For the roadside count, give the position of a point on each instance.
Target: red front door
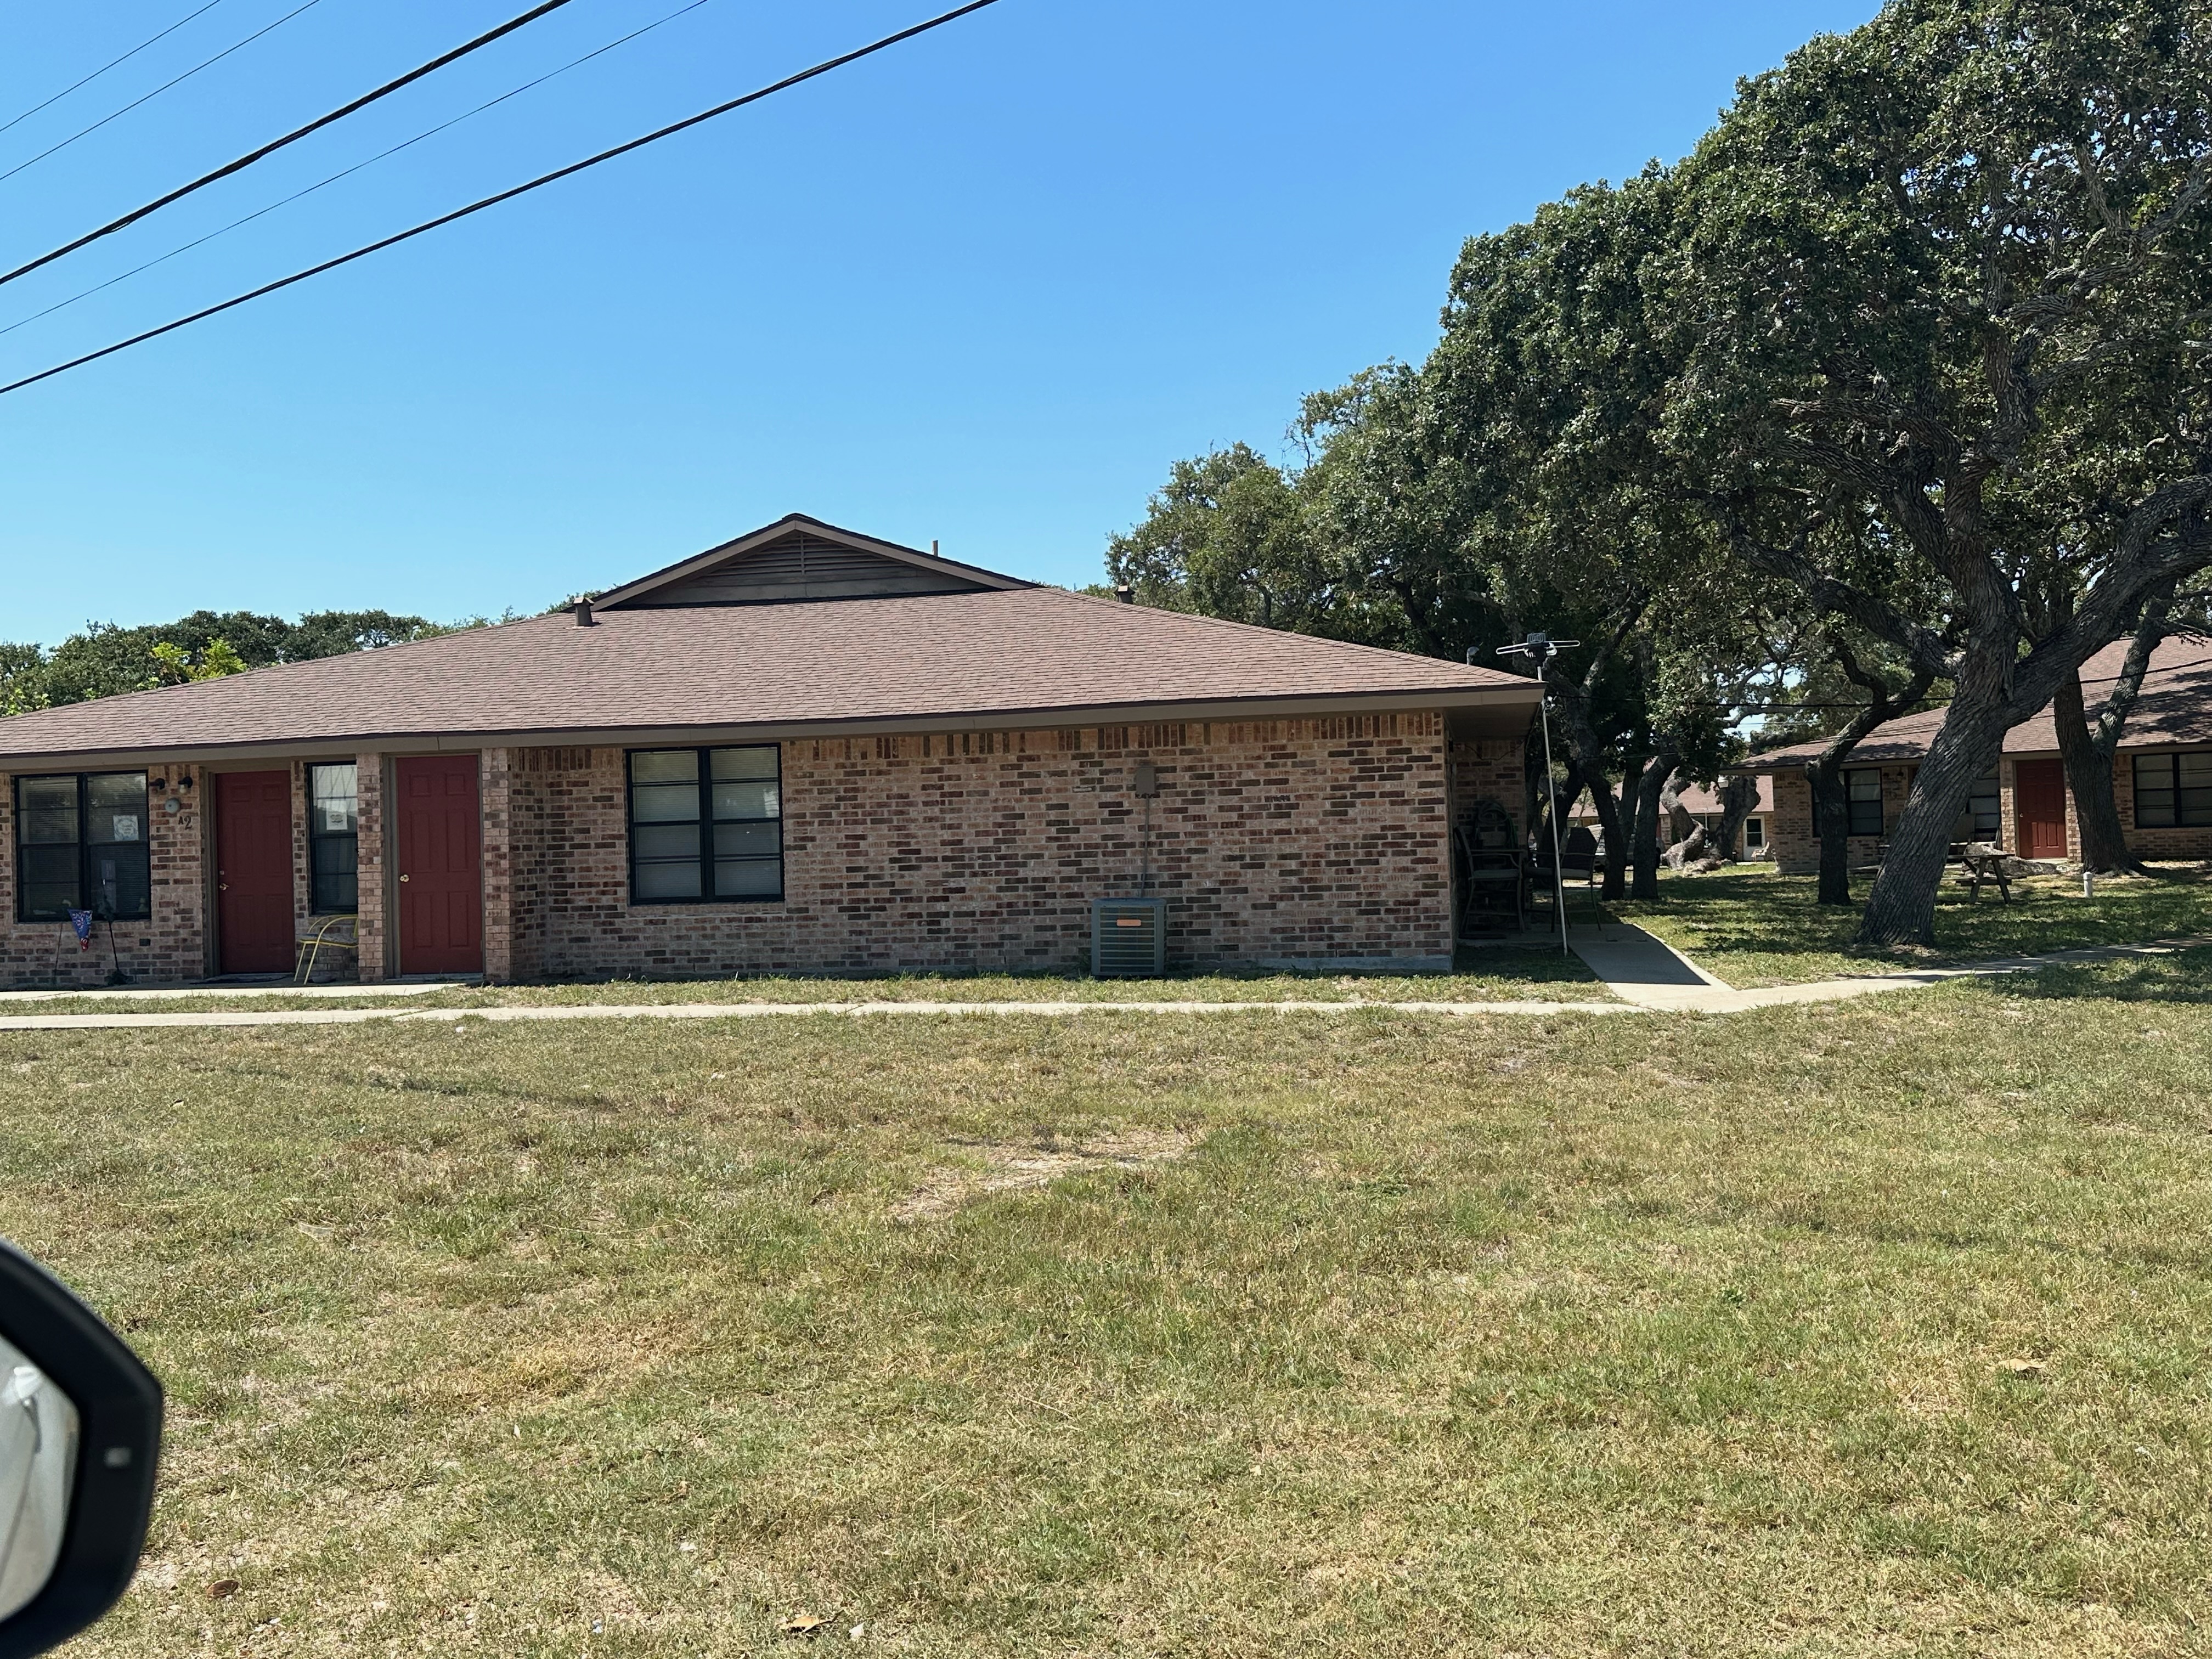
(2039, 799)
(253, 871)
(440, 865)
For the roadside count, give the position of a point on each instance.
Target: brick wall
(1797, 852)
(1796, 849)
(1304, 840)
(1315, 839)
(1494, 769)
(495, 785)
(373, 953)
(171, 946)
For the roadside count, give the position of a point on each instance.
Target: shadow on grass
(2184, 976)
(1753, 927)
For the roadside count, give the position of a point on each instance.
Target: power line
(343, 172)
(292, 137)
(157, 91)
(111, 64)
(543, 179)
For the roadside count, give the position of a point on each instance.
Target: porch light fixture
(1541, 648)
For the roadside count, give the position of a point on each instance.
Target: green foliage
(106, 661)
(1903, 371)
(174, 666)
(1226, 536)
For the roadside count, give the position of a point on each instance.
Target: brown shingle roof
(1697, 799)
(2175, 708)
(947, 657)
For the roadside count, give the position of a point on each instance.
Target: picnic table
(1983, 862)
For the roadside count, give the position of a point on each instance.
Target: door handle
(402, 878)
(223, 887)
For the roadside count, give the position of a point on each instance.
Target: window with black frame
(706, 825)
(1985, 807)
(81, 845)
(2173, 792)
(334, 838)
(1863, 790)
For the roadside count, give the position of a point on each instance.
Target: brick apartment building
(2161, 777)
(803, 750)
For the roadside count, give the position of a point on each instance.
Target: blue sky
(982, 289)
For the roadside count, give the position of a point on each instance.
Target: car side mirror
(80, 1428)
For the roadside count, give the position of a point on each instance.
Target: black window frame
(1869, 822)
(2181, 813)
(1988, 787)
(86, 849)
(319, 838)
(706, 822)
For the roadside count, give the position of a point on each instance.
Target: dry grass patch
(991, 1169)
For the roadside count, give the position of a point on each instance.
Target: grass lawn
(1751, 926)
(1488, 975)
(1878, 1328)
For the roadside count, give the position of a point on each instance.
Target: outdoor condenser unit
(1128, 937)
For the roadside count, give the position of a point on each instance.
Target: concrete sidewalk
(1648, 974)
(1645, 969)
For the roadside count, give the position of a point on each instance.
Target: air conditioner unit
(1128, 937)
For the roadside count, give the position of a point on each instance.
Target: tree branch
(1922, 646)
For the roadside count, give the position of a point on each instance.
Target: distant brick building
(804, 751)
(2161, 777)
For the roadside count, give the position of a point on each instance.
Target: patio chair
(1579, 856)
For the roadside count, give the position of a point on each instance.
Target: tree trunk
(1538, 806)
(1831, 824)
(1832, 812)
(1997, 689)
(1692, 848)
(2104, 838)
(1679, 823)
(1738, 796)
(1612, 869)
(2089, 779)
(1588, 759)
(1643, 880)
(1900, 909)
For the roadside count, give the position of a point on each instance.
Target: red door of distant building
(254, 872)
(440, 865)
(2039, 800)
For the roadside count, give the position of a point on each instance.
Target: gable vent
(1128, 937)
(803, 565)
